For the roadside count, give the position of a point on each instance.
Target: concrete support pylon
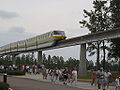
(39, 57)
(82, 73)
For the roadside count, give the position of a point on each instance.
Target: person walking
(56, 74)
(44, 73)
(74, 76)
(94, 77)
(65, 75)
(117, 82)
(101, 80)
(107, 75)
(52, 75)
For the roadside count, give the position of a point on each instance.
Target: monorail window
(43, 36)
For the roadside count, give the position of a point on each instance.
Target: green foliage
(56, 61)
(97, 20)
(115, 11)
(6, 60)
(59, 62)
(12, 72)
(25, 59)
(90, 64)
(114, 51)
(52, 62)
(72, 63)
(4, 86)
(49, 62)
(115, 74)
(20, 60)
(15, 72)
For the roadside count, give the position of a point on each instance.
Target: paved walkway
(83, 85)
(30, 84)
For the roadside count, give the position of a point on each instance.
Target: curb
(84, 81)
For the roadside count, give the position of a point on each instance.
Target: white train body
(22, 45)
(6, 48)
(31, 43)
(35, 43)
(14, 47)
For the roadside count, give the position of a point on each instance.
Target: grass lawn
(85, 79)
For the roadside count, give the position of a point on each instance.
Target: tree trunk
(119, 65)
(98, 56)
(104, 55)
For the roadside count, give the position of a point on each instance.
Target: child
(117, 81)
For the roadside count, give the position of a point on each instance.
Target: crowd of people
(65, 75)
(100, 78)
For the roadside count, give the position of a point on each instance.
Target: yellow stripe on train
(39, 40)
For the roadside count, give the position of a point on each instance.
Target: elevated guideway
(105, 35)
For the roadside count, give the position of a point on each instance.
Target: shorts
(101, 81)
(65, 77)
(56, 74)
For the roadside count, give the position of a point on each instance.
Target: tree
(44, 60)
(54, 61)
(114, 51)
(61, 62)
(98, 21)
(1, 60)
(90, 65)
(6, 60)
(31, 58)
(18, 60)
(72, 63)
(50, 62)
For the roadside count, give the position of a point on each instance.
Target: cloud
(17, 30)
(7, 15)
(14, 34)
(76, 32)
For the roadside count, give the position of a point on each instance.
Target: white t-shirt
(57, 71)
(74, 73)
(117, 82)
(107, 74)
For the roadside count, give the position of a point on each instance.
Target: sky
(22, 19)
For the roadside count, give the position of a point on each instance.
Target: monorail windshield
(58, 33)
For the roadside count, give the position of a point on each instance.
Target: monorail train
(40, 41)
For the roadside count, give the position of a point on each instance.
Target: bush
(115, 74)
(2, 71)
(4, 86)
(13, 72)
